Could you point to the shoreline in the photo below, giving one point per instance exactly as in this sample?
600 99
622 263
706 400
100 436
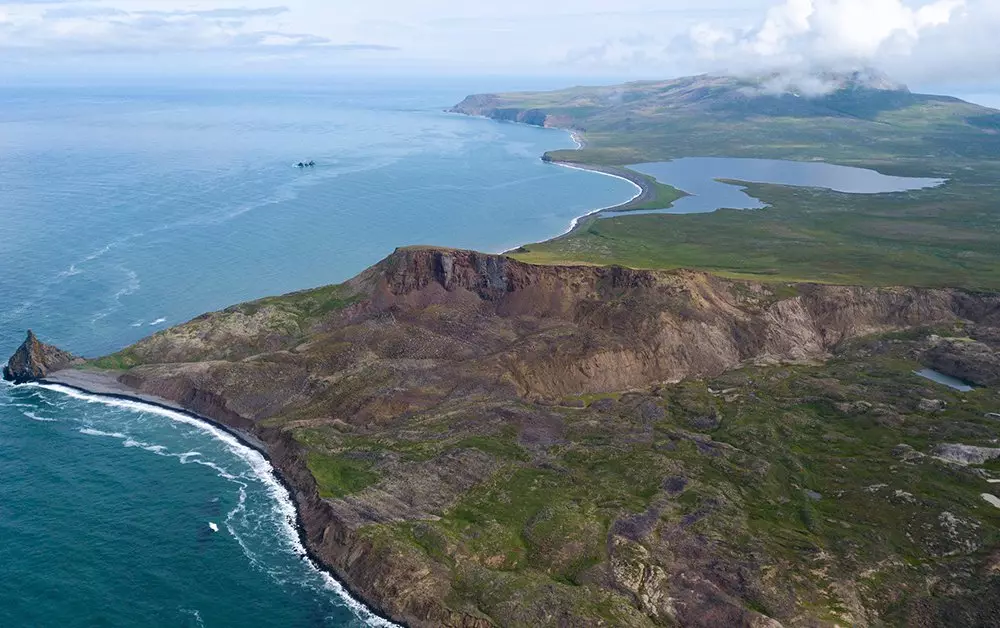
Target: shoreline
113 390
643 192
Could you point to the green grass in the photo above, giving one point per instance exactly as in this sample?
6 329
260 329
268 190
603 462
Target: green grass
543 521
307 304
664 196
938 237
499 446
121 361
337 476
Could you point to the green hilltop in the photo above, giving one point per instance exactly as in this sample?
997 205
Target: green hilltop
936 237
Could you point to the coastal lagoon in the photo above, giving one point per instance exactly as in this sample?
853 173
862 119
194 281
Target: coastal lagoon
126 211
699 177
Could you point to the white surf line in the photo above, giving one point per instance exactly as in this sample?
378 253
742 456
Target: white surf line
576 221
578 140
262 469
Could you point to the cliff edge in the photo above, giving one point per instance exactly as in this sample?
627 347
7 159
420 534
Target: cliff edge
473 441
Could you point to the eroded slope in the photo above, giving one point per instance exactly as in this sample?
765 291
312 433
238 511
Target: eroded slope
476 441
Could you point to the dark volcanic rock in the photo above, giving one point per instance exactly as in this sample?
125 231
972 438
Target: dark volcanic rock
34 360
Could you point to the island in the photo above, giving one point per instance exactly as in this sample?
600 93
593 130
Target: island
655 420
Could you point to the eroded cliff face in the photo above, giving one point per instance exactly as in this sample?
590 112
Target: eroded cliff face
449 355
34 360
491 106
548 331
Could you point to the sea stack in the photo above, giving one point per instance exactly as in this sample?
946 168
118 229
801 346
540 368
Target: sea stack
34 359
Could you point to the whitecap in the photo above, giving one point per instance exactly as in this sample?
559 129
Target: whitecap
89 431
576 221
137 324
35 417
187 456
262 471
158 321
193 612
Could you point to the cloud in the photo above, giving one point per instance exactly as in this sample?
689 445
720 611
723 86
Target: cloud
915 41
74 28
219 13
930 43
809 35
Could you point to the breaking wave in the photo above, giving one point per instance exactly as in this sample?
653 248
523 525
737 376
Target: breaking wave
260 470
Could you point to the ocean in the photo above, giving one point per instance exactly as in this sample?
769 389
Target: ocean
126 210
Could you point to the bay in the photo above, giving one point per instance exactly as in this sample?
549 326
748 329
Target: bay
125 210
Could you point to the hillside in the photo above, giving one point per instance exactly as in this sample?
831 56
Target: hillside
475 441
760 117
944 236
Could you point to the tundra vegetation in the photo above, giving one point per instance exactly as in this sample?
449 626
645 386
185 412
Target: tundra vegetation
940 236
589 432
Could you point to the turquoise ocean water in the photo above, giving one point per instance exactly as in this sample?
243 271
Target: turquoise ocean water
126 210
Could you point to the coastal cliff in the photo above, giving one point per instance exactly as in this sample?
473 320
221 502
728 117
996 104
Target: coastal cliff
490 106
474 441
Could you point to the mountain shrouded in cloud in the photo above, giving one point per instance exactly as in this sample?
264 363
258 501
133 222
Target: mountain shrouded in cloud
826 34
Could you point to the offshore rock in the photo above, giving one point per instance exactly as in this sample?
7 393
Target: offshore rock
34 359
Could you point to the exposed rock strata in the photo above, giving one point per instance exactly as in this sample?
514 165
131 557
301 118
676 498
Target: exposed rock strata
493 342
34 360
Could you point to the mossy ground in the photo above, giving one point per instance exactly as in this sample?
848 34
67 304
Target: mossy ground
795 466
337 476
936 237
247 328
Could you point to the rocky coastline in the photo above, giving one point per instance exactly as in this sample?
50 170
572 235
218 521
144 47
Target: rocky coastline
429 334
108 386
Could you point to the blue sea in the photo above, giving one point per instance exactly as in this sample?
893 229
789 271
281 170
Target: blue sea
126 210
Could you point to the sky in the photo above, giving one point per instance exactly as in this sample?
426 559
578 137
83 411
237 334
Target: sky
924 42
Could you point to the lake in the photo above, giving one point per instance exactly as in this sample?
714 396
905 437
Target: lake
698 176
943 379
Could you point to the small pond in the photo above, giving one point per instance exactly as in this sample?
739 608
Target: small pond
947 380
697 176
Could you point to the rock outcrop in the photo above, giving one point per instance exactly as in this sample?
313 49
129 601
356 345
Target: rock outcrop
34 360
438 374
969 361
965 454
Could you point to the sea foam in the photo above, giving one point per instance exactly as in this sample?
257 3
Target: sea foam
261 468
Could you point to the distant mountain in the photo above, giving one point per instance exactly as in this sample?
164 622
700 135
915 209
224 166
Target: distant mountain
754 116
851 94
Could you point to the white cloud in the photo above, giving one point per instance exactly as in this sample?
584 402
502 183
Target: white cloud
49 28
921 40
929 40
